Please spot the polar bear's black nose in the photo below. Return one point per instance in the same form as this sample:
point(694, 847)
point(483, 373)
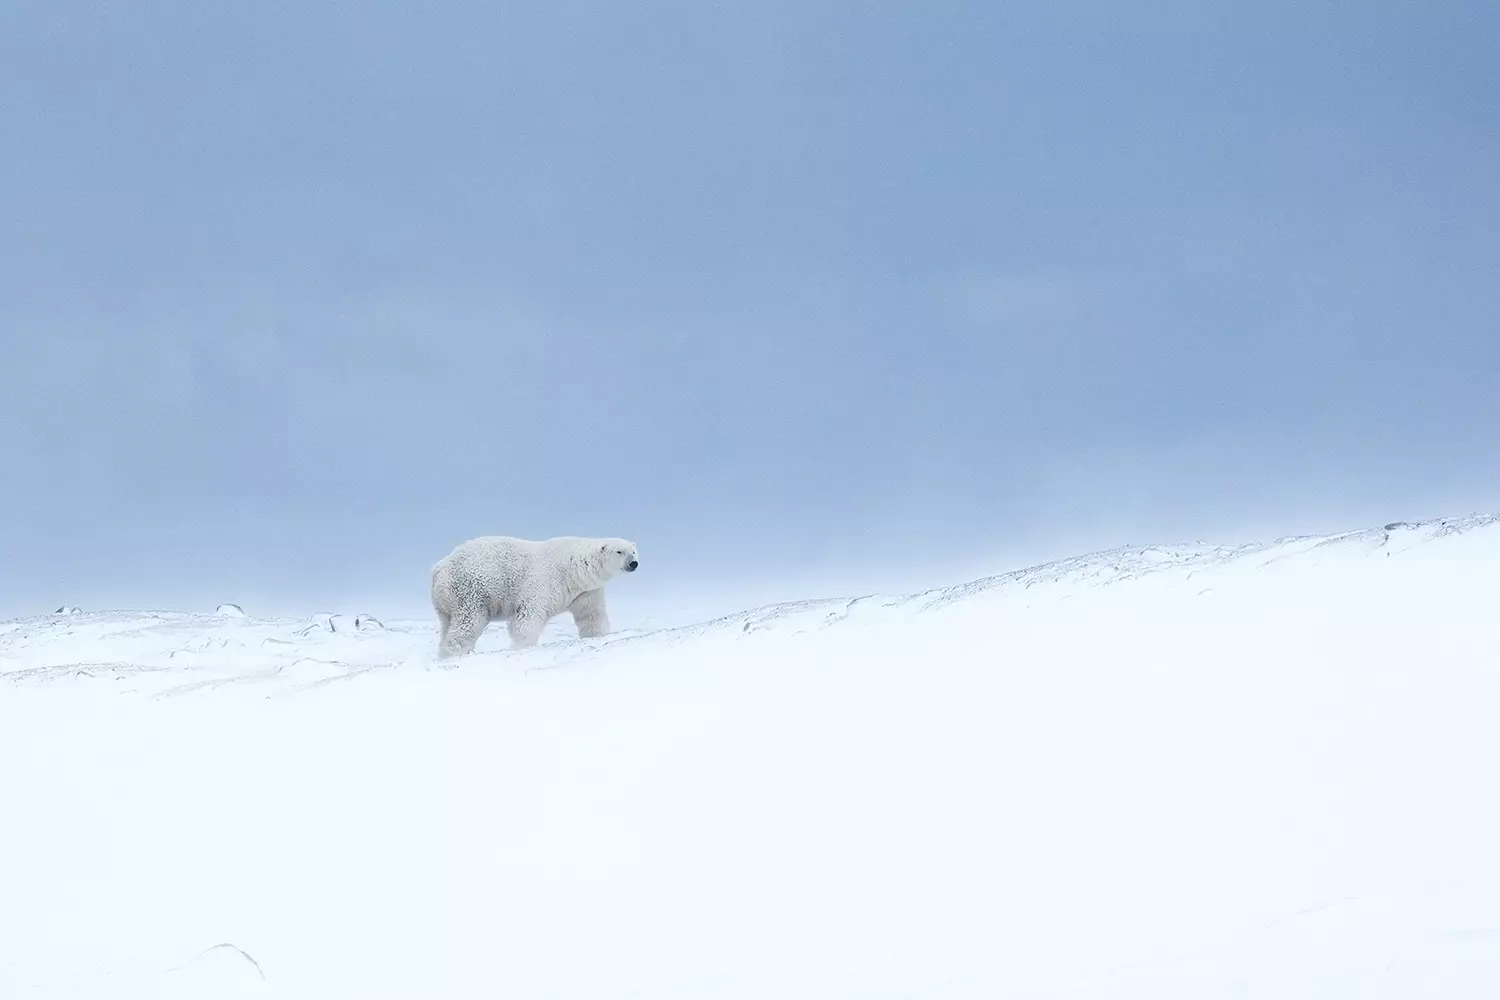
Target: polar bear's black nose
point(630, 566)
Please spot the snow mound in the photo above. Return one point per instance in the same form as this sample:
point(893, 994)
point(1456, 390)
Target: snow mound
point(1158, 771)
point(221, 971)
point(341, 624)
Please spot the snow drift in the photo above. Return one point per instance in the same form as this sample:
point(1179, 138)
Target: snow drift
point(1154, 772)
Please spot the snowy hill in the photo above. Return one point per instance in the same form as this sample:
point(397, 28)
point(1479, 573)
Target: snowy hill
point(1178, 771)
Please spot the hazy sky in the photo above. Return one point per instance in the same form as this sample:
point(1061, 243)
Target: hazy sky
point(295, 296)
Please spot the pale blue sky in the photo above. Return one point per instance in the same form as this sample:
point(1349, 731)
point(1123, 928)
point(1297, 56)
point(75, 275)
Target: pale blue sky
point(294, 296)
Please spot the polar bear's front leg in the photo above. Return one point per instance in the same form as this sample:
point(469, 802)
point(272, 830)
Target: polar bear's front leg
point(589, 614)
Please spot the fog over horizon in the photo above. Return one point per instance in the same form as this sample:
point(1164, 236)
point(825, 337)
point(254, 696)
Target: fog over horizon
point(694, 590)
point(804, 298)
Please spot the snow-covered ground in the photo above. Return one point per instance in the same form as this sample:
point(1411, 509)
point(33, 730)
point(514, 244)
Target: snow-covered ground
point(1175, 772)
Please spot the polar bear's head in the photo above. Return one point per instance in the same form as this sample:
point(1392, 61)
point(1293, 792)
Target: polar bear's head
point(617, 555)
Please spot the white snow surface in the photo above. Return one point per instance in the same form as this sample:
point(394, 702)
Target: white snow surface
point(1157, 772)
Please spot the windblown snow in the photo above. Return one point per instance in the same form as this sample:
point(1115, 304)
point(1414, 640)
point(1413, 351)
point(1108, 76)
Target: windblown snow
point(1194, 772)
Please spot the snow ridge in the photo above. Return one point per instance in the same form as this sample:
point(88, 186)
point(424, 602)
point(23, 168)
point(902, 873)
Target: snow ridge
point(171, 653)
point(1155, 771)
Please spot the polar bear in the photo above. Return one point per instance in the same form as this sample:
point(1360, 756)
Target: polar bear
point(524, 584)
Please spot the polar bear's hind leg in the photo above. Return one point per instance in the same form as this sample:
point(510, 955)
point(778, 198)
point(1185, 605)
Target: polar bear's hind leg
point(525, 628)
point(463, 632)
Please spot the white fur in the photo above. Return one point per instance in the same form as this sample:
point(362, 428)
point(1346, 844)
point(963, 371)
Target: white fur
point(524, 584)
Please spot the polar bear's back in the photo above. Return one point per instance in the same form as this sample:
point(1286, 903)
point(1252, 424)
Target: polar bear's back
point(491, 551)
point(500, 571)
point(479, 572)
